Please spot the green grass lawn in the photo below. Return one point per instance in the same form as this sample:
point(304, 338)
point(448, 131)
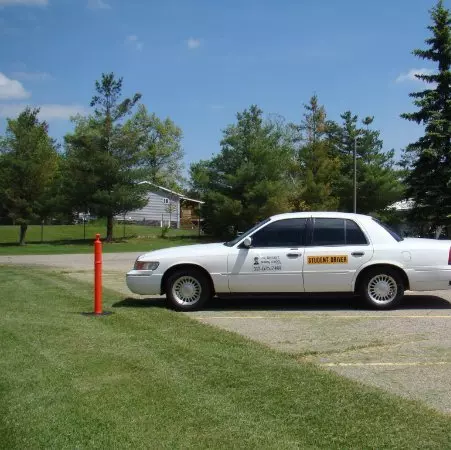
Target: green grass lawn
point(146, 377)
point(59, 239)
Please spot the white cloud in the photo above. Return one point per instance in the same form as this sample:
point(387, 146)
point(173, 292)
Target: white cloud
point(24, 2)
point(410, 75)
point(193, 43)
point(32, 76)
point(47, 111)
point(98, 4)
point(134, 42)
point(11, 89)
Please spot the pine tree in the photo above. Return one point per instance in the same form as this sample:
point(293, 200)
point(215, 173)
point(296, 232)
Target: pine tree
point(378, 183)
point(102, 156)
point(429, 181)
point(315, 169)
point(247, 180)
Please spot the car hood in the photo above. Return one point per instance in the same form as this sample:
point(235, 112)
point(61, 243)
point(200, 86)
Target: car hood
point(186, 251)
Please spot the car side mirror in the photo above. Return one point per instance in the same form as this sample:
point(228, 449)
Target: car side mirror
point(247, 242)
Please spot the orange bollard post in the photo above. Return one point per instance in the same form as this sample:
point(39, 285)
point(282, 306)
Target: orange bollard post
point(97, 280)
point(97, 275)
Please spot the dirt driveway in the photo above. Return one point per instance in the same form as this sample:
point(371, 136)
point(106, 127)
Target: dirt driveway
point(406, 351)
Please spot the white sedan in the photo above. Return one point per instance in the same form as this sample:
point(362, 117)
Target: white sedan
point(298, 253)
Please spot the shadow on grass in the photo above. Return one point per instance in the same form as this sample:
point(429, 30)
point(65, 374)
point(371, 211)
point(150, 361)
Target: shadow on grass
point(315, 302)
point(141, 303)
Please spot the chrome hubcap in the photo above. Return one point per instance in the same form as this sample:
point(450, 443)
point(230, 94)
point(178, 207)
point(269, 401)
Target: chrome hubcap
point(186, 290)
point(382, 288)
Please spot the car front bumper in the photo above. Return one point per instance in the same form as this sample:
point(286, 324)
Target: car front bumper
point(144, 282)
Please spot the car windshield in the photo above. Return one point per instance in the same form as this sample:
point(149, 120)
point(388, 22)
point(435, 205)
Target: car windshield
point(247, 233)
point(387, 228)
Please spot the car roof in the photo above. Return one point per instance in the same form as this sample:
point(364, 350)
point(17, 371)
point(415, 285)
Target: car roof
point(328, 214)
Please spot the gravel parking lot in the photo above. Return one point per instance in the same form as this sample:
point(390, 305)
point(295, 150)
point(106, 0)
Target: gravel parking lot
point(406, 351)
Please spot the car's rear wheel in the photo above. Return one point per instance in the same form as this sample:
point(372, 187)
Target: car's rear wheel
point(187, 290)
point(382, 288)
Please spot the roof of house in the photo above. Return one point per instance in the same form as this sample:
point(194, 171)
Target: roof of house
point(403, 205)
point(182, 196)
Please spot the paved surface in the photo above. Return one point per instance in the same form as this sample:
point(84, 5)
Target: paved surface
point(406, 351)
point(121, 262)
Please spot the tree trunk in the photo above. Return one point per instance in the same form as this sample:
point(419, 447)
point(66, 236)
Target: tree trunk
point(23, 231)
point(109, 228)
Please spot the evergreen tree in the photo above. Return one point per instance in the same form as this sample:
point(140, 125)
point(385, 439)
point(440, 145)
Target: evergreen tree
point(102, 156)
point(247, 180)
point(378, 182)
point(315, 168)
point(429, 181)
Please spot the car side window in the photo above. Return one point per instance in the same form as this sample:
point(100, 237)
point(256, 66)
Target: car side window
point(328, 232)
point(354, 234)
point(282, 233)
point(337, 232)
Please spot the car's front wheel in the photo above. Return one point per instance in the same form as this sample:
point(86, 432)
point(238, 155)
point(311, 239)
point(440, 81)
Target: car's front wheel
point(187, 290)
point(382, 288)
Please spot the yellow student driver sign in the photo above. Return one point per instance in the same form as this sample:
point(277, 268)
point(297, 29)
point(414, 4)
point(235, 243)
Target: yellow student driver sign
point(330, 259)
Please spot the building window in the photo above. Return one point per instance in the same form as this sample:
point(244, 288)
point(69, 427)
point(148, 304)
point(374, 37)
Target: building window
point(166, 201)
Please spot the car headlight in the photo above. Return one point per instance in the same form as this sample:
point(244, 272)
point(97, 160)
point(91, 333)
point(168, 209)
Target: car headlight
point(144, 265)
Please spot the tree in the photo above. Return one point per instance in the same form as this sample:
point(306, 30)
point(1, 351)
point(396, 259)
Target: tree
point(171, 209)
point(102, 156)
point(247, 180)
point(29, 159)
point(429, 181)
point(161, 150)
point(378, 181)
point(315, 168)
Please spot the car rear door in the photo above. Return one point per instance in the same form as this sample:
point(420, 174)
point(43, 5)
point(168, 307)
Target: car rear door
point(335, 250)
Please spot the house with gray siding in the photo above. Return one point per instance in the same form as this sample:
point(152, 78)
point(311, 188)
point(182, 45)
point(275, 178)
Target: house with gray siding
point(164, 208)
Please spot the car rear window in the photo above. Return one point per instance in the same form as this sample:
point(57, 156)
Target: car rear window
point(389, 230)
point(354, 234)
point(328, 231)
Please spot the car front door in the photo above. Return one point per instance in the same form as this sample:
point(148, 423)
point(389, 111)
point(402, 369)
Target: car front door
point(336, 249)
point(273, 263)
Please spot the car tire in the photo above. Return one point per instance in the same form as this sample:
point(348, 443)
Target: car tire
point(188, 290)
point(382, 288)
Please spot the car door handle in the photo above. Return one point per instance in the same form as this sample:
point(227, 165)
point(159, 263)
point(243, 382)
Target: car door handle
point(357, 254)
point(294, 255)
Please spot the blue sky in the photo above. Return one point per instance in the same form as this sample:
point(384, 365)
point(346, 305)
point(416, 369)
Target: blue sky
point(201, 61)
